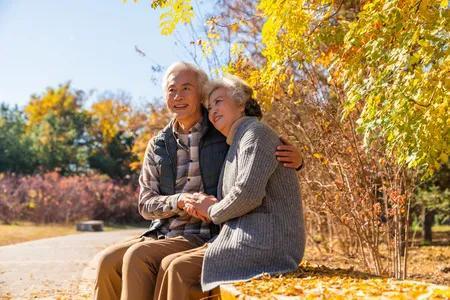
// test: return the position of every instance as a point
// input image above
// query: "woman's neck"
(232, 130)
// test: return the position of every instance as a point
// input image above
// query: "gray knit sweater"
(260, 211)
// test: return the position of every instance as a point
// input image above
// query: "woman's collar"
(235, 127)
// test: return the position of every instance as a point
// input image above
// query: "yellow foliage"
(404, 85)
(55, 101)
(282, 33)
(236, 50)
(388, 58)
(174, 12)
(110, 116)
(393, 59)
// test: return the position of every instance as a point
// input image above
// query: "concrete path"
(55, 268)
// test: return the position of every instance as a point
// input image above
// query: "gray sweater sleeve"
(257, 162)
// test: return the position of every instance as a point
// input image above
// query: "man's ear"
(166, 102)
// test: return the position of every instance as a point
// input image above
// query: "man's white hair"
(202, 78)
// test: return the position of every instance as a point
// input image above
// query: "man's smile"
(180, 106)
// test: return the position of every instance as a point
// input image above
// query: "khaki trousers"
(129, 270)
(179, 276)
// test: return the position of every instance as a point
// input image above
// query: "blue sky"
(89, 42)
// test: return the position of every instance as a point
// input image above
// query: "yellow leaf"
(234, 27)
(31, 204)
(318, 155)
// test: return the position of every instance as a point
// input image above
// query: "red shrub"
(52, 198)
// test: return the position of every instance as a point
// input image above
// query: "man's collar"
(196, 128)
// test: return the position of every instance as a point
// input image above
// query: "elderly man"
(185, 157)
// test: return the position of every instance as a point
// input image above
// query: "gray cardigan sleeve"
(256, 163)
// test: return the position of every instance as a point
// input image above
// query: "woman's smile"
(217, 118)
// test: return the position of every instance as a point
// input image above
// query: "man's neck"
(186, 125)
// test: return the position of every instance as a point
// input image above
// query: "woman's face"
(223, 110)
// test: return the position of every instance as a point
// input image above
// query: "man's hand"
(289, 155)
(185, 198)
(199, 207)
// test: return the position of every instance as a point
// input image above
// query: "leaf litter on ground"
(320, 282)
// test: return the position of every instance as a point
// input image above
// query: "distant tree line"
(55, 132)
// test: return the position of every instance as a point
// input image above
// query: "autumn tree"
(110, 115)
(112, 137)
(361, 84)
(57, 125)
(404, 84)
(391, 55)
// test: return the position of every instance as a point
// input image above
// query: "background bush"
(52, 198)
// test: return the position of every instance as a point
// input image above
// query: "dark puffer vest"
(212, 151)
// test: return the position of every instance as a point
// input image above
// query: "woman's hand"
(199, 207)
(189, 208)
(289, 155)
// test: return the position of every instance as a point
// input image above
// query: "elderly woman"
(258, 205)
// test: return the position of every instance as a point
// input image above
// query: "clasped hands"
(196, 204)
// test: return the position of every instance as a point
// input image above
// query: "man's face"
(183, 96)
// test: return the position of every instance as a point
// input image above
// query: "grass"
(25, 231)
(441, 228)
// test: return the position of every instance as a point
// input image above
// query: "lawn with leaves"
(23, 232)
(320, 282)
(331, 275)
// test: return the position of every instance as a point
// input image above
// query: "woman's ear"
(242, 109)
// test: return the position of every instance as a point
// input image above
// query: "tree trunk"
(428, 218)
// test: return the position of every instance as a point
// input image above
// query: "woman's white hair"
(238, 89)
(202, 78)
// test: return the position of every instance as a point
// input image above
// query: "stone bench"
(92, 225)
